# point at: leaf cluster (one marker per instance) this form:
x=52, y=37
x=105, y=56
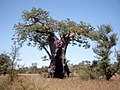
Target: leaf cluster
x=4, y=62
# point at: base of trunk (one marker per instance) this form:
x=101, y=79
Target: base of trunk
x=58, y=67
x=57, y=71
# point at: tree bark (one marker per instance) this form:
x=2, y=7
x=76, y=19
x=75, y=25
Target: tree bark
x=58, y=66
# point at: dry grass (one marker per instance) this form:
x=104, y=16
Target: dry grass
x=36, y=82
x=2, y=79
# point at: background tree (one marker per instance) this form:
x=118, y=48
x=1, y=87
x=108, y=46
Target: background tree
x=86, y=70
x=14, y=55
x=34, y=67
x=105, y=42
x=116, y=64
x=39, y=29
x=22, y=69
x=92, y=70
x=4, y=63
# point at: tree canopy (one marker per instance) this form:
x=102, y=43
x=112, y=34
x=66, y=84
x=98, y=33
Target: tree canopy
x=38, y=27
x=106, y=41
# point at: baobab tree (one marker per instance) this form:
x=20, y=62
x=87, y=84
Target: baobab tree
x=39, y=29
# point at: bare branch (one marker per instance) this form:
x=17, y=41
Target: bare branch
x=47, y=51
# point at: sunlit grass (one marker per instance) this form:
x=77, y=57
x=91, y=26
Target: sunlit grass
x=36, y=82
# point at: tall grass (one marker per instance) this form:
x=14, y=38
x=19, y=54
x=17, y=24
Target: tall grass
x=36, y=82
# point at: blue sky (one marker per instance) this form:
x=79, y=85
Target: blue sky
x=96, y=12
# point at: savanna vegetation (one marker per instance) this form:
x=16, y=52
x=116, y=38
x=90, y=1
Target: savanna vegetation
x=40, y=30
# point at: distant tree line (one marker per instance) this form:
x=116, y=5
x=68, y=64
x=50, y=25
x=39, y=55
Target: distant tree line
x=85, y=69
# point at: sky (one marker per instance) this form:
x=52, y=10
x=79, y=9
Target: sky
x=95, y=12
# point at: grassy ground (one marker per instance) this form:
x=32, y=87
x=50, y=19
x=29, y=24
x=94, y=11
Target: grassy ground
x=36, y=82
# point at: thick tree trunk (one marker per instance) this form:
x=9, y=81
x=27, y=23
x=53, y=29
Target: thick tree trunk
x=59, y=63
x=58, y=67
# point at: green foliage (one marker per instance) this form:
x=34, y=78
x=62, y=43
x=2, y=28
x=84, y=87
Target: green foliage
x=87, y=70
x=22, y=69
x=117, y=64
x=105, y=43
x=4, y=63
x=44, y=58
x=37, y=24
x=26, y=31
x=33, y=69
